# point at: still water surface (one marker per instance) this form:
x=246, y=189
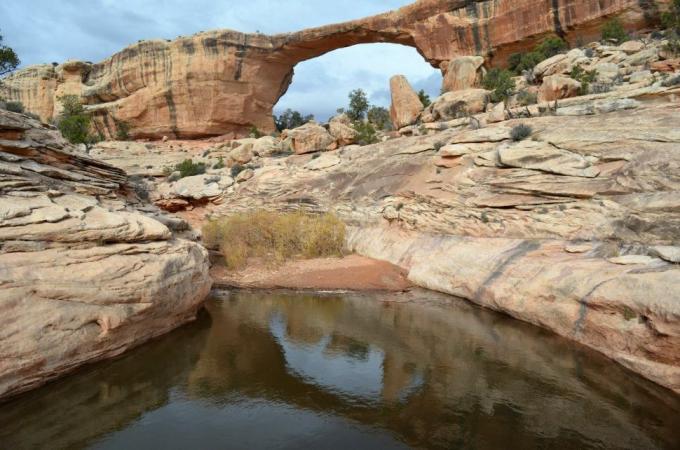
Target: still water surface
x=282, y=370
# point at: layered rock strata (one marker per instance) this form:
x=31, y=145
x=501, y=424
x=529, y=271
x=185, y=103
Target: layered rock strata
x=87, y=270
x=226, y=82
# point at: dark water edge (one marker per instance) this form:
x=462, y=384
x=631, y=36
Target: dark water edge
x=348, y=371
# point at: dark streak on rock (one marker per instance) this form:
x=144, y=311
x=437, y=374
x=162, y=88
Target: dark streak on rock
x=173, y=111
x=556, y=18
x=508, y=257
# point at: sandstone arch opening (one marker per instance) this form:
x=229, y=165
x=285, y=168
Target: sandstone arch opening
x=321, y=85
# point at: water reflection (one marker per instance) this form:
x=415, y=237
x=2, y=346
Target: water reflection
x=290, y=370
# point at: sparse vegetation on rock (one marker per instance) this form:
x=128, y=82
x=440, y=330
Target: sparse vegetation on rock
x=671, y=21
x=520, y=132
x=16, y=107
x=521, y=62
x=585, y=77
x=500, y=83
x=614, y=31
x=188, y=168
x=275, y=236
x=379, y=117
x=526, y=98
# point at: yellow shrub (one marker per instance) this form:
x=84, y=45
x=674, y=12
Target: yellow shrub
x=274, y=235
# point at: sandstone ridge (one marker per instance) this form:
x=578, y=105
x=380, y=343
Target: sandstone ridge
x=225, y=82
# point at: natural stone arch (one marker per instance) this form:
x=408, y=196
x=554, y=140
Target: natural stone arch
x=223, y=82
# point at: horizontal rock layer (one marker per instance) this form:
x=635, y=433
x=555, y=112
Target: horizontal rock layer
x=87, y=271
x=222, y=82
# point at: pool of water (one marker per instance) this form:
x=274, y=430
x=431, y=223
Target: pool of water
x=350, y=371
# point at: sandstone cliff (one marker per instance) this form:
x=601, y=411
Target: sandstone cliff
x=222, y=82
x=87, y=270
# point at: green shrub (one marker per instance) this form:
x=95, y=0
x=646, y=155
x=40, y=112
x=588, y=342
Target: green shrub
x=219, y=164
x=75, y=123
x=585, y=77
x=671, y=18
x=380, y=117
x=424, y=98
x=275, y=236
x=8, y=59
x=188, y=168
x=236, y=169
x=551, y=46
x=500, y=82
x=526, y=98
x=255, y=133
x=367, y=133
x=16, y=107
x=291, y=119
x=122, y=130
x=613, y=30
x=358, y=105
x=520, y=132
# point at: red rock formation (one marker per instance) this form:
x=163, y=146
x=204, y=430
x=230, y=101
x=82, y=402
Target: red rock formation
x=222, y=82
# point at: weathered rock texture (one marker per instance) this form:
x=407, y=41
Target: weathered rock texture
x=222, y=82
x=406, y=105
x=575, y=229
x=87, y=271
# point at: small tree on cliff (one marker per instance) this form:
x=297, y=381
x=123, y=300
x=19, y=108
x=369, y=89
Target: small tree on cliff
x=358, y=105
x=8, y=59
x=380, y=117
x=424, y=98
x=74, y=122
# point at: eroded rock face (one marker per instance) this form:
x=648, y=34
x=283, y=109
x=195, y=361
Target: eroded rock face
x=87, y=271
x=225, y=82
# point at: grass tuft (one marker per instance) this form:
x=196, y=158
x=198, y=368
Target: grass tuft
x=275, y=236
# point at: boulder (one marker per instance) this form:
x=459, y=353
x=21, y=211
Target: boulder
x=496, y=114
x=556, y=87
x=242, y=154
x=464, y=72
x=309, y=138
x=245, y=175
x=266, y=146
x=343, y=133
x=545, y=157
x=406, y=105
x=199, y=187
x=457, y=104
x=630, y=47
x=668, y=65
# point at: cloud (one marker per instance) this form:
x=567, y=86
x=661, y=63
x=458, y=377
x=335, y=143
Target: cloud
x=44, y=31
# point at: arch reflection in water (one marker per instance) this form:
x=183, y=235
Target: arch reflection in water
x=276, y=370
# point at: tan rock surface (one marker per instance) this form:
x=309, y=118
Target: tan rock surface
x=87, y=271
x=225, y=82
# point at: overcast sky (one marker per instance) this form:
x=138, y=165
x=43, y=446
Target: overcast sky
x=44, y=31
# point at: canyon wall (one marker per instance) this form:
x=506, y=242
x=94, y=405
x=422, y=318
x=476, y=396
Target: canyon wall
x=226, y=82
